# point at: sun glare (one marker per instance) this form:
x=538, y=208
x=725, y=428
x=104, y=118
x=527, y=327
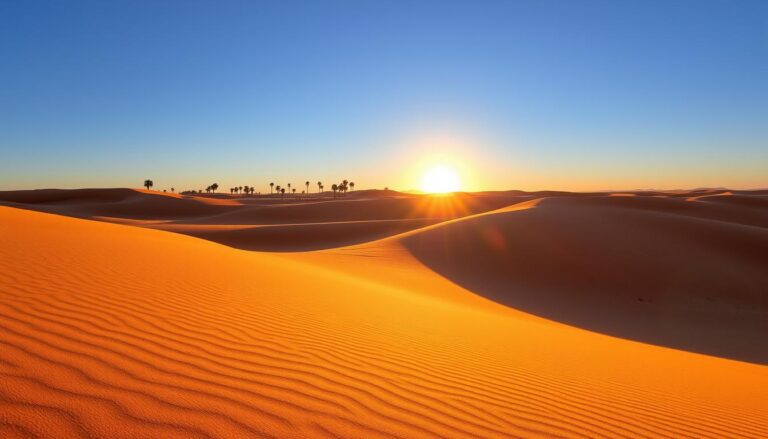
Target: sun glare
x=440, y=179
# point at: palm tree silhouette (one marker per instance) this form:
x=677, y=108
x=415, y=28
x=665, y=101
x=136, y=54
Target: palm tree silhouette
x=289, y=188
x=282, y=192
x=306, y=183
x=271, y=185
x=319, y=187
x=334, y=188
x=352, y=185
x=148, y=184
x=214, y=187
x=173, y=190
x=294, y=191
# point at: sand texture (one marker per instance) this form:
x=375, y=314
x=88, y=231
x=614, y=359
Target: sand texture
x=476, y=316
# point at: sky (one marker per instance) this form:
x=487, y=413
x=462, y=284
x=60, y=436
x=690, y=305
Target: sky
x=571, y=95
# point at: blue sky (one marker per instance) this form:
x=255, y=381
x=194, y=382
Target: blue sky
x=514, y=94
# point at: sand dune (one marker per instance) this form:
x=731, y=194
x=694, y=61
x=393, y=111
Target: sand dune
x=157, y=340
x=658, y=270
x=296, y=237
x=308, y=224
x=112, y=330
x=124, y=203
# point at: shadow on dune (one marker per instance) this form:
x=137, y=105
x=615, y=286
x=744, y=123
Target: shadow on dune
x=301, y=237
x=682, y=274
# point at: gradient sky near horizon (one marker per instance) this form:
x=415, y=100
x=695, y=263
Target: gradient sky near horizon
x=576, y=95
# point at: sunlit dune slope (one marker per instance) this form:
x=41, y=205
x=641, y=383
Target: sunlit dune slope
x=691, y=275
x=117, y=331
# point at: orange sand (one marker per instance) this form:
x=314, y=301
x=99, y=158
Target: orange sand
x=110, y=330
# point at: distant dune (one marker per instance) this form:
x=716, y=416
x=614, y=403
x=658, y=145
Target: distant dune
x=297, y=224
x=502, y=314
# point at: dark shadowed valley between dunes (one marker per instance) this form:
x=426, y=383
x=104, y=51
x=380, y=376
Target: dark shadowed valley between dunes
x=384, y=314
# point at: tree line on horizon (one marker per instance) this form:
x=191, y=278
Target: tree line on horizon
x=336, y=188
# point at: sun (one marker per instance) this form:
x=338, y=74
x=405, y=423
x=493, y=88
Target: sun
x=440, y=179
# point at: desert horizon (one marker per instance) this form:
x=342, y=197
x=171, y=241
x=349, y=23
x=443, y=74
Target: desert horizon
x=426, y=219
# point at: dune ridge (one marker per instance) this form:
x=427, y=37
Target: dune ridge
x=172, y=336
x=665, y=271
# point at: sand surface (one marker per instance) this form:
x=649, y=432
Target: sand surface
x=489, y=315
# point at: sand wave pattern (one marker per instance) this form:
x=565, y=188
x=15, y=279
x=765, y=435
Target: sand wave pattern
x=115, y=331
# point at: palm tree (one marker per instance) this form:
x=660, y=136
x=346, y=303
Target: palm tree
x=294, y=191
x=334, y=188
x=148, y=184
x=271, y=185
x=289, y=188
x=282, y=192
x=214, y=187
x=352, y=185
x=173, y=189
x=306, y=183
